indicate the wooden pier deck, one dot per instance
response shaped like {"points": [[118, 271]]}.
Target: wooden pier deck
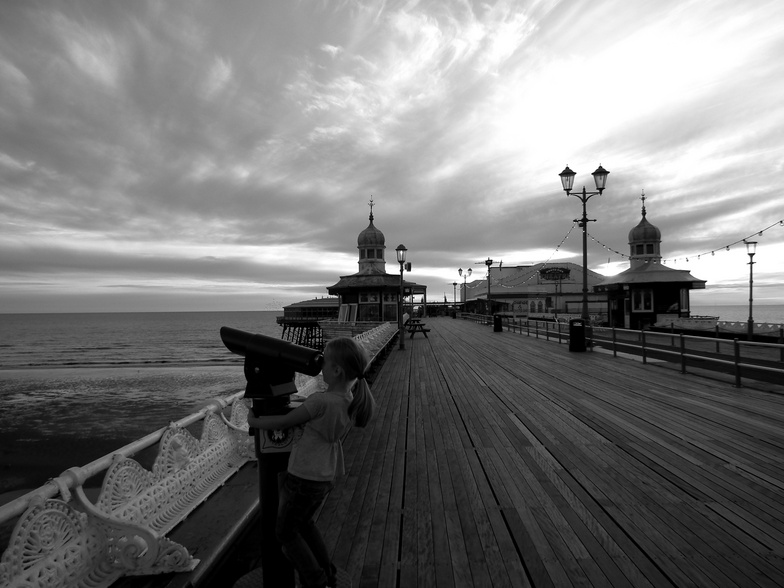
{"points": [[501, 460]]}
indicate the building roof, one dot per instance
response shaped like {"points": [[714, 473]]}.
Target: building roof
{"points": [[651, 273], [316, 303], [365, 281]]}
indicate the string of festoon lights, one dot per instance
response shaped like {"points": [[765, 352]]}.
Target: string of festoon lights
{"points": [[686, 258], [711, 252], [544, 265]]}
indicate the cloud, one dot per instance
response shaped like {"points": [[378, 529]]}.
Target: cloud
{"points": [[156, 144]]}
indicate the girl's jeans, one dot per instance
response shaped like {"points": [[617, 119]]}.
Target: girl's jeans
{"points": [[300, 539]]}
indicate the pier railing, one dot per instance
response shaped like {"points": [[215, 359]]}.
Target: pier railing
{"points": [[61, 538], [750, 360]]}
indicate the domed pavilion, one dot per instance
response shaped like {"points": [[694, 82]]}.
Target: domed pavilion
{"points": [[372, 294], [647, 292]]}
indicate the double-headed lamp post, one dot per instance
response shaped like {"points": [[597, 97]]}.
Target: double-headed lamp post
{"points": [[567, 181], [465, 290], [751, 249], [401, 259]]}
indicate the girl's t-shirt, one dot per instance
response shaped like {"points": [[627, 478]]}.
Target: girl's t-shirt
{"points": [[318, 454]]}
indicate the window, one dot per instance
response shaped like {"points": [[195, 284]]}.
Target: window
{"points": [[649, 249], [368, 297], [639, 249], [684, 299], [642, 301], [390, 312]]}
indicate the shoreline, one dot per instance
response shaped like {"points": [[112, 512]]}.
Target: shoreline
{"points": [[114, 367]]}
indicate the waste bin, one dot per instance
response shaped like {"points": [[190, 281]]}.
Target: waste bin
{"points": [[497, 327], [577, 334]]}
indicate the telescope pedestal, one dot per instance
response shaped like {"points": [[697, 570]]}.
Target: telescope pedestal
{"points": [[278, 570]]}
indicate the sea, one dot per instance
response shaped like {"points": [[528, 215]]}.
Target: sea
{"points": [[761, 313], [75, 387]]}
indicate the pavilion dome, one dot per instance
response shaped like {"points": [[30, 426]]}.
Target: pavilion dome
{"points": [[371, 236], [644, 242], [644, 232]]}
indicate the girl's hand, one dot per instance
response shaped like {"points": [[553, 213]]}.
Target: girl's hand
{"points": [[296, 417]]}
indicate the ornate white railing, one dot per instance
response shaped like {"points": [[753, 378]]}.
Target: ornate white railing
{"points": [[62, 539]]}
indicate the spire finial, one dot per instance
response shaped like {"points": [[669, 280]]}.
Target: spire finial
{"points": [[643, 202], [370, 204]]}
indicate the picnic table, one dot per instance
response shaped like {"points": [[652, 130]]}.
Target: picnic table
{"points": [[416, 326]]}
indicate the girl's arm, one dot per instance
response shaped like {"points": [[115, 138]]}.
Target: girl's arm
{"points": [[279, 422]]}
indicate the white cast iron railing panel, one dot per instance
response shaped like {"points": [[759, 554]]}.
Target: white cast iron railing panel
{"points": [[64, 542]]}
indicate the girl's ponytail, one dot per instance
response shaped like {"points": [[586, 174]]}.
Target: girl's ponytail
{"points": [[361, 408], [353, 358]]}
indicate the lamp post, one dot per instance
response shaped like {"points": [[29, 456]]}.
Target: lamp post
{"points": [[488, 263], [751, 249], [567, 181], [454, 293], [401, 259], [465, 288]]}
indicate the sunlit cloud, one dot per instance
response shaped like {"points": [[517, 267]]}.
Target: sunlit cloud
{"points": [[166, 150]]}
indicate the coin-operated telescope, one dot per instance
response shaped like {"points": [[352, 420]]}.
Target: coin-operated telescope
{"points": [[270, 363], [270, 368]]}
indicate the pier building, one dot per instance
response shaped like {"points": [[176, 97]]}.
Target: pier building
{"points": [[541, 288], [372, 294], [300, 321], [649, 291]]}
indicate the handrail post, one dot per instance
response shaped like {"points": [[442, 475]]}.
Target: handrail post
{"points": [[615, 350], [642, 340], [683, 353], [736, 344], [781, 342], [547, 330]]}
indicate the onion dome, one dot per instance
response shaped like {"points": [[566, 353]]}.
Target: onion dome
{"points": [[370, 243], [644, 232], [371, 236], [644, 241]]}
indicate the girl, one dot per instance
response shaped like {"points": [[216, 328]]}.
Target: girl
{"points": [[317, 455]]}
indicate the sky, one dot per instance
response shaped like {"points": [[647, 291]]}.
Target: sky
{"points": [[164, 155]]}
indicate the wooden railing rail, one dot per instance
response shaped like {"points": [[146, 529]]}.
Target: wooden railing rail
{"points": [[687, 350]]}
